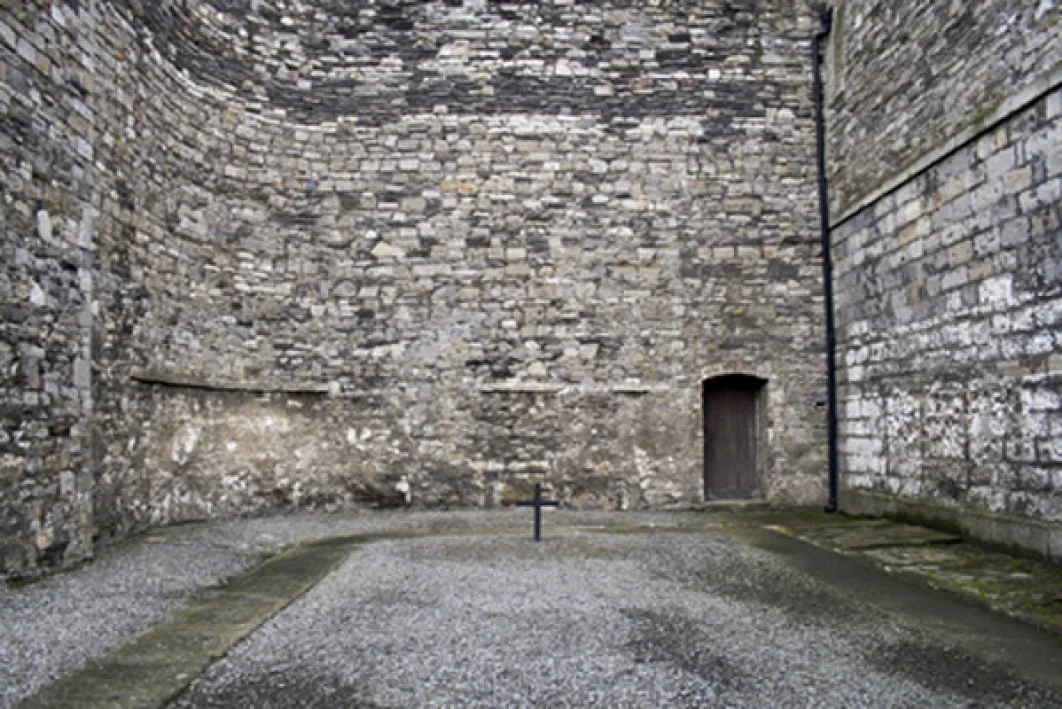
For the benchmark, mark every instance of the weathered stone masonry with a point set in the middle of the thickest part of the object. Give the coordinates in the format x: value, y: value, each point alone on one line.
x: 398, y: 253
x: 948, y: 263
x: 46, y: 290
x: 275, y: 254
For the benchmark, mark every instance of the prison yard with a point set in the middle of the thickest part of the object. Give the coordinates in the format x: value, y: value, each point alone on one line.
x: 466, y: 609
x: 503, y: 353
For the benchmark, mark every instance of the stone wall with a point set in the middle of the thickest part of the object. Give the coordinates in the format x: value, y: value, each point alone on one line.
x: 949, y: 280
x: 47, y: 177
x: 905, y: 77
x: 430, y: 252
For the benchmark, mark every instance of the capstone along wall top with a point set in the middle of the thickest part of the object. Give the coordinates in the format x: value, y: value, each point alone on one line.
x: 907, y: 76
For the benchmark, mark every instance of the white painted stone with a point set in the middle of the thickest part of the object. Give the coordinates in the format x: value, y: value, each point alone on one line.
x: 184, y: 444
x: 538, y: 369
x: 82, y: 375
x: 405, y: 489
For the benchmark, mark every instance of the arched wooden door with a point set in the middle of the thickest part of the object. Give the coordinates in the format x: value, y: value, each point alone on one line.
x: 732, y: 438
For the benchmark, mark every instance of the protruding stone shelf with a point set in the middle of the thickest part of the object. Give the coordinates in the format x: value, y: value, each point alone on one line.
x: 631, y: 389
x: 545, y: 388
x: 522, y: 388
x: 250, y: 387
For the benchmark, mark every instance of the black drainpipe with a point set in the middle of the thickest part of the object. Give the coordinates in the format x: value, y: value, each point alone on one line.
x: 827, y: 268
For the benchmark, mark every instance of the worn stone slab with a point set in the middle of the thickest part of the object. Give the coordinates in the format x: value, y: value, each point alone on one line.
x: 1019, y: 533
x: 873, y: 534
x: 1021, y: 587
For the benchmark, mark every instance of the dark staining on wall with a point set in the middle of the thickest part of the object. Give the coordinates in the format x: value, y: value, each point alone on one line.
x: 379, y: 63
x: 912, y: 75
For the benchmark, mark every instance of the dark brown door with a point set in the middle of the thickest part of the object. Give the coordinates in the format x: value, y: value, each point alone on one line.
x: 730, y: 439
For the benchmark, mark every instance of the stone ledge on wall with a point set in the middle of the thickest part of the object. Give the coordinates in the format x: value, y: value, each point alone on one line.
x: 190, y: 382
x: 629, y: 389
x: 907, y: 76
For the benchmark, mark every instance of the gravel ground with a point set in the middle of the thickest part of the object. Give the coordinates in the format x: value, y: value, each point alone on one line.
x: 49, y: 629
x: 590, y: 620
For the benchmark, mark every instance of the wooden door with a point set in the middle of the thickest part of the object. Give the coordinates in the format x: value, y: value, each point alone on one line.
x: 730, y: 439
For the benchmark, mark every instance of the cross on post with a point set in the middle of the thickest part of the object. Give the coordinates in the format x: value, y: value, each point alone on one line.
x: 538, y: 503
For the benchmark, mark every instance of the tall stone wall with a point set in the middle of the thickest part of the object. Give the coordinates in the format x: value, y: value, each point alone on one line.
x: 47, y: 178
x: 430, y: 252
x: 949, y: 271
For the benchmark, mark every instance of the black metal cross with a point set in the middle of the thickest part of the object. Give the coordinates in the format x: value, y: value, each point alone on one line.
x: 538, y: 503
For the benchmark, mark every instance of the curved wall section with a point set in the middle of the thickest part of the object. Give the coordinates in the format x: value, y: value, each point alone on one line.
x: 432, y: 252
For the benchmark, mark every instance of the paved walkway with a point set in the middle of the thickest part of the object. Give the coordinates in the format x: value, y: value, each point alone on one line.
x: 444, y: 609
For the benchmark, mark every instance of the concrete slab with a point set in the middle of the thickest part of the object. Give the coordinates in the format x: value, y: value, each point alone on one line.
x: 871, y: 534
x: 1011, y: 532
x: 1025, y: 588
x: 1054, y: 544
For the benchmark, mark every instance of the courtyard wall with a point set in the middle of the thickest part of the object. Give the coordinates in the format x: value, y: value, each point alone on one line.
x: 946, y: 154
x: 418, y: 253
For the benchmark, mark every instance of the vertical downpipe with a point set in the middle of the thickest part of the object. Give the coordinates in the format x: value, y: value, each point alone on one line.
x: 827, y: 267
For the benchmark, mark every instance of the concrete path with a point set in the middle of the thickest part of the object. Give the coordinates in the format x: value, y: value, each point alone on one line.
x: 1017, y: 586
x: 461, y: 609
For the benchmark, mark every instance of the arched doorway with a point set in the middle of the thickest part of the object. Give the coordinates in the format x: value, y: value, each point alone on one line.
x: 733, y: 424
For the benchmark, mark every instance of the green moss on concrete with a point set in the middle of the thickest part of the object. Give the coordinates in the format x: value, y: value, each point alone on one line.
x: 984, y: 112
x: 1020, y: 587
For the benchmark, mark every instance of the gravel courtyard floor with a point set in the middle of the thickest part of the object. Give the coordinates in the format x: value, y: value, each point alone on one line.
x: 590, y: 620
x: 686, y: 615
